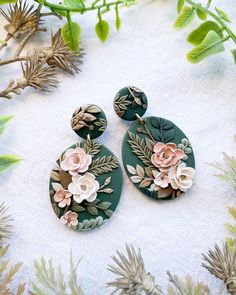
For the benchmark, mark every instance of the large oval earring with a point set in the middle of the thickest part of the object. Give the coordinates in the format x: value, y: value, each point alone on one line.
x: 86, y: 182
x: 157, y: 155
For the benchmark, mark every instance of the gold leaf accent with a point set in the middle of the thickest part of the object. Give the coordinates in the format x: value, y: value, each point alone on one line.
x: 93, y: 109
x: 140, y: 149
x: 91, y: 147
x: 121, y: 103
x: 140, y: 170
x: 164, y: 192
x: 65, y: 178
x: 103, y: 165
x: 145, y: 183
x: 55, y: 176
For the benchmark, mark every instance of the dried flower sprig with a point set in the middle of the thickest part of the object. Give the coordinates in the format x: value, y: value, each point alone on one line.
x: 5, y: 224
x: 36, y: 74
x: 61, y: 56
x: 51, y: 280
x: 132, y: 276
x: 222, y: 264
x: 186, y: 287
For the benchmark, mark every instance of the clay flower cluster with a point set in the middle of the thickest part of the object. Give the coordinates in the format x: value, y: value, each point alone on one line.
x: 84, y: 185
x: 170, y: 169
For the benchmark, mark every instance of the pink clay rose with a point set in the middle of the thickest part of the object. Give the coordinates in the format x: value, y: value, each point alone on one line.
x: 76, y: 161
x: 166, y: 156
x: 70, y: 218
x: 62, y: 197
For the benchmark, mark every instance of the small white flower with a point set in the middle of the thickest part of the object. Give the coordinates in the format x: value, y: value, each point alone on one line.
x: 84, y: 187
x: 181, y: 177
x: 161, y: 179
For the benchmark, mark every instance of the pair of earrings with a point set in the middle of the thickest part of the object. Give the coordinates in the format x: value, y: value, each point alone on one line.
x: 86, y: 182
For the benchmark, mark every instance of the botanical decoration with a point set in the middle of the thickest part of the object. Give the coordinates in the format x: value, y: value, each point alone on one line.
x: 52, y: 281
x: 83, y: 186
x: 89, y: 119
x: 210, y: 36
x: 130, y: 101
x: 162, y: 157
x: 6, y: 161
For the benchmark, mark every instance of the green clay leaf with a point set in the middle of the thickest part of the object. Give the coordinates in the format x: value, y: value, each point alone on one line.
x: 71, y: 35
x: 168, y: 135
x: 234, y: 54
x: 3, y: 122
x: 185, y: 17
x: 156, y: 134
x: 198, y: 35
x: 211, y: 44
x: 180, y: 5
x: 102, y: 30
x: 201, y: 14
x: 92, y: 210
x: 223, y: 15
x: 7, y: 1
x: 6, y: 161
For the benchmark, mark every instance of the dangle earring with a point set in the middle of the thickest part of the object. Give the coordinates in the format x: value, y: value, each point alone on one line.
x: 157, y: 155
x: 85, y: 184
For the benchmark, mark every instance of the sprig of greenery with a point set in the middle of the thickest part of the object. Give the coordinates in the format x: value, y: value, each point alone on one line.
x: 210, y: 36
x: 6, y: 161
x: 71, y: 30
x: 52, y: 280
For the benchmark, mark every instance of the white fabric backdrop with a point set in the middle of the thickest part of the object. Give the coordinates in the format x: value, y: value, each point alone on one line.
x: 200, y: 99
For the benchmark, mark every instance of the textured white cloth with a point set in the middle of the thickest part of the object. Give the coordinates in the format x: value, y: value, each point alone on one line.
x: 200, y: 99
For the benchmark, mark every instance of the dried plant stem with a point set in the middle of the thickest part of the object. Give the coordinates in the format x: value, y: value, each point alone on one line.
x: 24, y: 41
x: 13, y: 87
x: 8, y: 37
x: 12, y: 60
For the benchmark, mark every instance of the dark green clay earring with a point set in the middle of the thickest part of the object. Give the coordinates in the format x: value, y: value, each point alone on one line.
x: 157, y: 155
x: 85, y: 184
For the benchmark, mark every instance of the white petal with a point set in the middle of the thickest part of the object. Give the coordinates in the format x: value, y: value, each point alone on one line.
x: 56, y: 186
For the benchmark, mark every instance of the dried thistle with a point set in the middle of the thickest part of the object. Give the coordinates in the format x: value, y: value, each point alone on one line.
x: 36, y: 74
x: 60, y: 55
x: 222, y: 264
x: 21, y: 18
x: 186, y: 287
x: 132, y: 277
x: 5, y: 226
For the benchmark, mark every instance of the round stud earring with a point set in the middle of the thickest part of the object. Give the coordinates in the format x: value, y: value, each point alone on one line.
x: 157, y: 155
x: 86, y: 182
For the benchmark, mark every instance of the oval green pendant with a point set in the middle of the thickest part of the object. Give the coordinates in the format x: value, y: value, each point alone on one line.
x: 158, y: 158
x: 85, y: 199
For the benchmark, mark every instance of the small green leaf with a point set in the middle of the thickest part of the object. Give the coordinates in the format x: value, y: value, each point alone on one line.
x: 3, y: 122
x: 59, y: 11
x: 7, y: 161
x: 118, y: 20
x: 231, y: 228
x: 41, y: 2
x: 234, y: 54
x: 185, y: 17
x: 92, y: 210
x: 71, y: 35
x: 7, y: 1
x: 180, y: 5
x: 201, y: 14
x: 211, y: 44
x: 232, y: 212
x: 102, y: 30
x: 197, y: 36
x: 73, y: 4
x: 223, y: 15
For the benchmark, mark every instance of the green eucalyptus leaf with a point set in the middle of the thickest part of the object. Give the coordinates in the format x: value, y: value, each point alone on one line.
x: 234, y: 54
x: 185, y: 17
x: 180, y: 5
x: 211, y: 44
x: 3, y: 122
x: 71, y: 35
x: 168, y: 135
x: 92, y: 210
x: 102, y: 30
x: 198, y: 35
x: 7, y: 1
x: 223, y: 15
x: 6, y: 161
x: 201, y: 14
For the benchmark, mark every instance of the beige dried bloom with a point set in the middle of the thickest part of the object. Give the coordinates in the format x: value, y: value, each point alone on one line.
x: 21, y: 18
x: 60, y: 55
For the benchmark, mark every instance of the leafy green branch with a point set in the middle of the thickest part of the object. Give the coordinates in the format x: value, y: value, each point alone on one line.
x: 210, y: 36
